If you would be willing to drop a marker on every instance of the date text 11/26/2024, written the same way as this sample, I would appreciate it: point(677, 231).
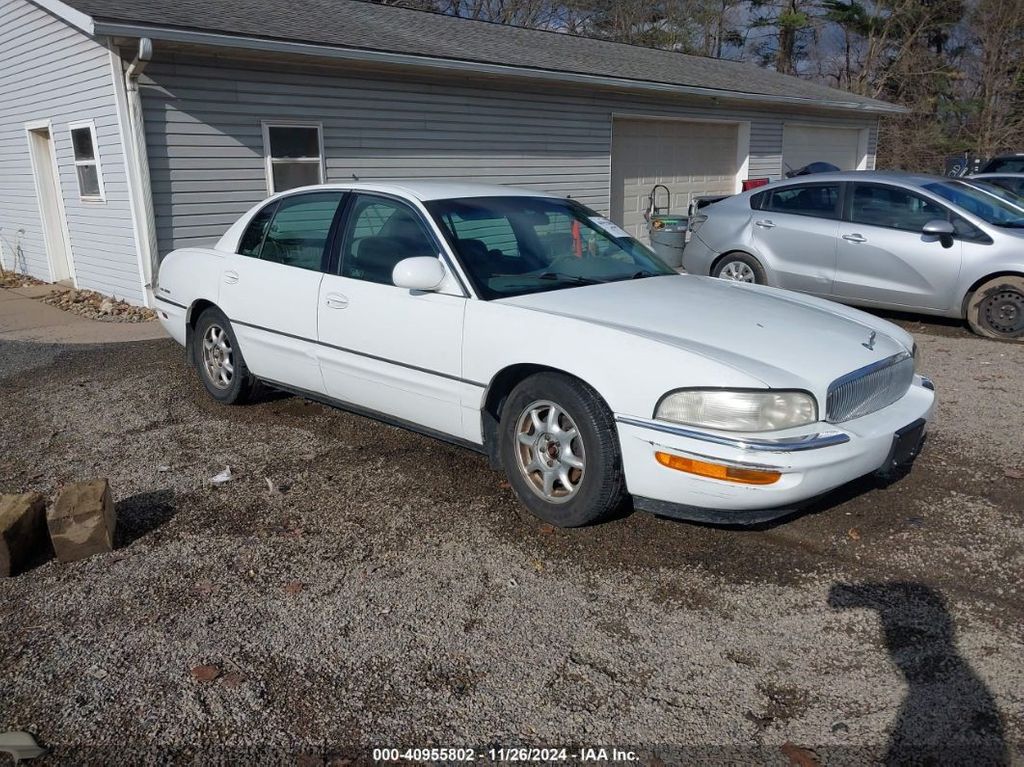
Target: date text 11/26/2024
point(512, 754)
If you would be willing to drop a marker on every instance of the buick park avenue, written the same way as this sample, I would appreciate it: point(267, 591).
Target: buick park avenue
point(537, 332)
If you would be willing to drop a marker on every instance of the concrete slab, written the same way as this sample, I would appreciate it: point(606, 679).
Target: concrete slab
point(23, 317)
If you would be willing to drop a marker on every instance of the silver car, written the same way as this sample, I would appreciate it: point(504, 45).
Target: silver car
point(877, 239)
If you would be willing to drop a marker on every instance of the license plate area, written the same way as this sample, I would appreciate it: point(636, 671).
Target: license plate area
point(906, 445)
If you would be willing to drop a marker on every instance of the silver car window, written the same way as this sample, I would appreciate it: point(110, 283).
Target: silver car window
point(819, 200)
point(893, 208)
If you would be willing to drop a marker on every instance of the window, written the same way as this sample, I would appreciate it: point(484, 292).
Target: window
point(493, 237)
point(987, 206)
point(87, 161)
point(894, 208)
point(558, 244)
point(294, 155)
point(252, 239)
point(297, 233)
point(1015, 185)
point(382, 232)
point(819, 200)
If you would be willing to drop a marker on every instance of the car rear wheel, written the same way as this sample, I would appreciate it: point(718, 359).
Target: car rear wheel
point(218, 358)
point(560, 450)
point(739, 267)
point(996, 310)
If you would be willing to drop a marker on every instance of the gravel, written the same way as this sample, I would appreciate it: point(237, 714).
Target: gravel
point(390, 591)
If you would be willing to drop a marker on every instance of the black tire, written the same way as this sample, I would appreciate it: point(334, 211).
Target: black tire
point(996, 309)
point(731, 260)
point(598, 487)
point(241, 384)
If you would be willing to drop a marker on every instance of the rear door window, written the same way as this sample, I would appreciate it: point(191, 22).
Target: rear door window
point(818, 200)
point(299, 230)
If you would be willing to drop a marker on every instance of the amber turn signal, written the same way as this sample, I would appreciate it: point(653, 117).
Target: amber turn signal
point(718, 470)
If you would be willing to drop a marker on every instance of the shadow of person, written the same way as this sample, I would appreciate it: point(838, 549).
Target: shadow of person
point(948, 716)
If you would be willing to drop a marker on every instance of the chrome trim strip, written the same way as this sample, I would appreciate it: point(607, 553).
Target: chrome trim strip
point(783, 445)
point(867, 369)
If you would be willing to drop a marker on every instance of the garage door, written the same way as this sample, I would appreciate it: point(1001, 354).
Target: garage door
point(804, 144)
point(690, 158)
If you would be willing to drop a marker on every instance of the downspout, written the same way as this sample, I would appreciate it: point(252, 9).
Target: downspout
point(140, 154)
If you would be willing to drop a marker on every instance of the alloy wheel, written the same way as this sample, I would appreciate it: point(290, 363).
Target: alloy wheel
point(738, 272)
point(550, 451)
point(218, 359)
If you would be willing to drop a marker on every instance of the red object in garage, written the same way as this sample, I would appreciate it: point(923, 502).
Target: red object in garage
point(753, 183)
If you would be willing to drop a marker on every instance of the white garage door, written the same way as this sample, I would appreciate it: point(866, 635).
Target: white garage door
point(804, 144)
point(691, 159)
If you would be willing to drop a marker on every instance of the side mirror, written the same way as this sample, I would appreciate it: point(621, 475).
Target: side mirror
point(944, 230)
point(420, 273)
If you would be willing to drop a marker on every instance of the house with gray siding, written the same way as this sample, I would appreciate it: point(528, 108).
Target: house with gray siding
point(128, 129)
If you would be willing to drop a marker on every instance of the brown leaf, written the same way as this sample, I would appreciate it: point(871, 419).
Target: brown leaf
point(538, 565)
point(546, 529)
point(854, 534)
point(294, 587)
point(504, 485)
point(1014, 473)
point(800, 757)
point(205, 673)
point(232, 680)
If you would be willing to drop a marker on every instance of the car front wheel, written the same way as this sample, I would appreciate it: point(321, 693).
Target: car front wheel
point(996, 310)
point(560, 450)
point(218, 358)
point(740, 267)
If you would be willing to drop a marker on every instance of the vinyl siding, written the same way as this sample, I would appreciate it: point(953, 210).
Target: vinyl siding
point(203, 128)
point(51, 71)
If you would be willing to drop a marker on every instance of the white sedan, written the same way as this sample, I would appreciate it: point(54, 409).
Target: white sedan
point(529, 328)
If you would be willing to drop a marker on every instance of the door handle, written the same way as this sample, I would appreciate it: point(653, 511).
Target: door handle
point(231, 277)
point(765, 224)
point(336, 300)
point(855, 238)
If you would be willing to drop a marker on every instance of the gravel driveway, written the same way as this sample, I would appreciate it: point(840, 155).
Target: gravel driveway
point(389, 591)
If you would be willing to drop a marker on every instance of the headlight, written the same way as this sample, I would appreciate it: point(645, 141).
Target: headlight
point(738, 410)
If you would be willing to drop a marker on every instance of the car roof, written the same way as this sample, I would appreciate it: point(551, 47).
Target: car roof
point(996, 174)
point(425, 190)
point(895, 176)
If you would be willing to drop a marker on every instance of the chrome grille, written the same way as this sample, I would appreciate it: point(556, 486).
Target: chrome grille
point(869, 389)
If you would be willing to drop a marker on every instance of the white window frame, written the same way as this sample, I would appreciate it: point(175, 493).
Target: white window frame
point(91, 125)
point(269, 160)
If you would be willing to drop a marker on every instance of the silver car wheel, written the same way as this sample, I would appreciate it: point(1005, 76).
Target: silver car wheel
point(550, 451)
point(218, 360)
point(737, 271)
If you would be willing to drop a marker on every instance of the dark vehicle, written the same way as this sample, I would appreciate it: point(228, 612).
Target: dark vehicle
point(813, 167)
point(1005, 163)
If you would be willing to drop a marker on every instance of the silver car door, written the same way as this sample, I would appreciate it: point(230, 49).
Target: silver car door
point(884, 258)
point(795, 229)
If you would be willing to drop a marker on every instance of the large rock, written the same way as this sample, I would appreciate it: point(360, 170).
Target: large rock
point(82, 520)
point(22, 528)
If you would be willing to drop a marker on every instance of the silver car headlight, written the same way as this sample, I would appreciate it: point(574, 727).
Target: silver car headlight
point(738, 410)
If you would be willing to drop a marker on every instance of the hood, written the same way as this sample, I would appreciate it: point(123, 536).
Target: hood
point(783, 339)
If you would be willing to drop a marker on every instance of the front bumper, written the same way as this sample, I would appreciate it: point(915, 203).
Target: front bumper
point(810, 463)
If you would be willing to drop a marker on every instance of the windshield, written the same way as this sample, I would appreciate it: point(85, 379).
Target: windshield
point(511, 246)
point(1005, 165)
point(986, 205)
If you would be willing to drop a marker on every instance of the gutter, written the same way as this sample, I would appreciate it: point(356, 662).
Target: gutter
point(271, 45)
point(134, 141)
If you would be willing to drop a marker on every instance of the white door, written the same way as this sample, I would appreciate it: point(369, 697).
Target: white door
point(692, 159)
point(270, 288)
point(51, 210)
point(384, 349)
point(804, 144)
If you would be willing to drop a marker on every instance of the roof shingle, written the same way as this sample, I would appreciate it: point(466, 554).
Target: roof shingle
point(354, 24)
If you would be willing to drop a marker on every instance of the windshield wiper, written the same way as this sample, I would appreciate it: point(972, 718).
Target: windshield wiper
point(641, 274)
point(563, 276)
